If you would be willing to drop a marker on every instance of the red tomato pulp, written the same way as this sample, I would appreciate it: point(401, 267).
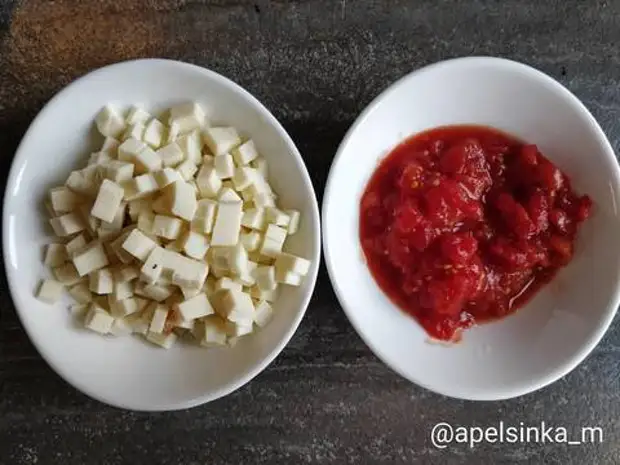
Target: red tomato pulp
point(462, 224)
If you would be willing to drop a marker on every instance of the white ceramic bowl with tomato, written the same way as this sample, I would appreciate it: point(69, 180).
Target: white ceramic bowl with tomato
point(557, 328)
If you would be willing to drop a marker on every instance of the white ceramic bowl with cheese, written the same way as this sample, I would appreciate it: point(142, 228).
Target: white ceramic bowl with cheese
point(556, 330)
point(127, 372)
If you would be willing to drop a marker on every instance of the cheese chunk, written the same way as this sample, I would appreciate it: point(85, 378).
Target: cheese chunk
point(161, 205)
point(108, 201)
point(182, 200)
point(188, 272)
point(121, 327)
point(227, 283)
point(99, 158)
point(66, 274)
point(259, 294)
point(141, 186)
point(263, 313)
point(277, 217)
point(186, 170)
point(98, 320)
point(109, 122)
point(81, 293)
point(163, 340)
point(119, 171)
point(191, 146)
point(208, 181)
point(129, 150)
point(245, 153)
point(289, 262)
point(63, 200)
point(90, 258)
point(137, 115)
point(110, 145)
point(293, 225)
point(138, 244)
point(227, 194)
point(273, 241)
point(221, 140)
point(227, 224)
point(158, 322)
point(214, 332)
point(205, 216)
point(234, 330)
point(126, 307)
point(147, 161)
point(288, 277)
point(67, 224)
point(250, 240)
point(77, 182)
point(243, 178)
point(171, 154)
point(154, 266)
point(154, 133)
point(187, 117)
point(260, 164)
point(167, 176)
point(126, 274)
point(196, 307)
point(265, 277)
point(154, 292)
point(101, 282)
point(50, 291)
point(224, 166)
point(55, 255)
point(254, 218)
point(123, 290)
point(195, 245)
point(134, 131)
point(235, 306)
point(173, 133)
point(167, 227)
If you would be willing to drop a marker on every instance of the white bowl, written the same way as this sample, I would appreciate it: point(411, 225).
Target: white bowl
point(552, 334)
point(127, 372)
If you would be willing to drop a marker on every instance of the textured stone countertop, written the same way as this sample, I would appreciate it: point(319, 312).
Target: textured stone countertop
point(315, 63)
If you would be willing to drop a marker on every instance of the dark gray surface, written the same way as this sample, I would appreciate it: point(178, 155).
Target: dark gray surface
point(315, 64)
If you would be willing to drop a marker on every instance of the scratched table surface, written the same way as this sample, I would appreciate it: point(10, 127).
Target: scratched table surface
point(315, 63)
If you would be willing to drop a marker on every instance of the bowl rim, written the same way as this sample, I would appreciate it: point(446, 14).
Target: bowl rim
point(551, 375)
point(20, 157)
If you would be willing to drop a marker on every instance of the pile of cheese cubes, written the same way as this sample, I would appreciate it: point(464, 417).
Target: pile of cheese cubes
point(172, 229)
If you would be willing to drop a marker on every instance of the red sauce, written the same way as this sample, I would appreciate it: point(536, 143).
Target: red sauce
point(463, 224)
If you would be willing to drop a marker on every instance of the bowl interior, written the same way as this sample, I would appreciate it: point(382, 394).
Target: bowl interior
point(555, 331)
point(127, 372)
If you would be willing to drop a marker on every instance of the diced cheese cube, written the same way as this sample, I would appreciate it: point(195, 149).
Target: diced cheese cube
point(263, 313)
point(187, 169)
point(55, 255)
point(227, 224)
point(75, 244)
point(288, 277)
point(244, 177)
point(177, 321)
point(260, 164)
point(208, 161)
point(116, 247)
point(147, 161)
point(182, 200)
point(108, 201)
point(221, 140)
point(161, 205)
point(293, 224)
point(208, 181)
point(250, 240)
point(126, 274)
point(101, 282)
point(235, 306)
point(154, 292)
point(256, 256)
point(64, 200)
point(121, 327)
point(196, 307)
point(173, 133)
point(109, 122)
point(50, 291)
point(265, 277)
point(91, 223)
point(231, 258)
point(139, 245)
point(273, 241)
point(78, 183)
point(263, 200)
point(260, 294)
point(102, 301)
point(66, 274)
point(277, 217)
point(167, 227)
point(224, 166)
point(79, 311)
point(158, 322)
point(99, 158)
point(235, 330)
point(293, 263)
point(137, 206)
point(228, 195)
point(129, 150)
point(191, 145)
point(247, 277)
point(167, 176)
point(119, 171)
point(227, 283)
point(189, 292)
point(189, 273)
point(90, 258)
point(254, 218)
point(67, 224)
point(137, 115)
point(126, 307)
point(154, 133)
point(110, 145)
point(141, 186)
point(214, 331)
point(134, 131)
point(163, 340)
point(187, 117)
point(119, 218)
point(205, 216)
point(145, 222)
point(139, 324)
point(195, 245)
point(123, 290)
point(98, 320)
point(81, 293)
point(171, 155)
point(245, 153)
